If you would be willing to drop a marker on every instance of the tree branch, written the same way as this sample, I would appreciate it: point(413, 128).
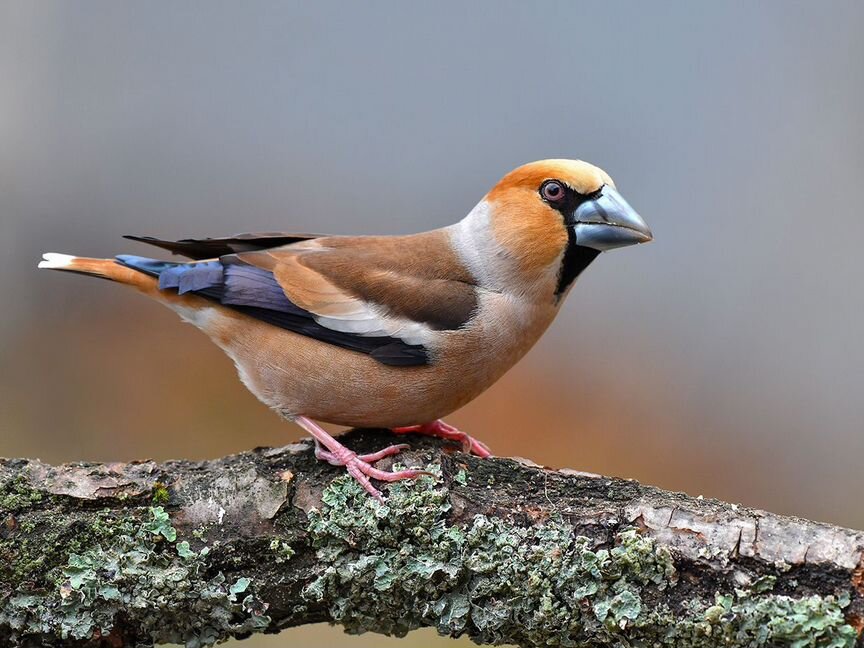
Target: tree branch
point(505, 552)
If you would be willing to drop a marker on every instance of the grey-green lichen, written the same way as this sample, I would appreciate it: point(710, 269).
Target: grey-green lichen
point(139, 571)
point(23, 556)
point(392, 568)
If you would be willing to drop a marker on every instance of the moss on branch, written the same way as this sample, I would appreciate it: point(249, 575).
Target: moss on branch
point(140, 554)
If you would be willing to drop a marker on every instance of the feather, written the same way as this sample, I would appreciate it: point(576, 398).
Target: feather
point(210, 248)
point(256, 293)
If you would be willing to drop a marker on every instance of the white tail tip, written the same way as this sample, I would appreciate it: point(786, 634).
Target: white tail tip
point(56, 260)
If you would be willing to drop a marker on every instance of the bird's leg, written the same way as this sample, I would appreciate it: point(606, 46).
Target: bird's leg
point(359, 467)
point(444, 430)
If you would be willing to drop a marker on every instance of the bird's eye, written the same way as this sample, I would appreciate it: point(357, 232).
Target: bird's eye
point(552, 190)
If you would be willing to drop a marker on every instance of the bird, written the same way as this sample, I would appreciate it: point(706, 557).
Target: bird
point(393, 331)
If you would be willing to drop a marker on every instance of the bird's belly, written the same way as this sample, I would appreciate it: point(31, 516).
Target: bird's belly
point(343, 387)
point(297, 375)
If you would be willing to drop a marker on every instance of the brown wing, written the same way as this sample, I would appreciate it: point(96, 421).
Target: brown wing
point(374, 295)
point(363, 279)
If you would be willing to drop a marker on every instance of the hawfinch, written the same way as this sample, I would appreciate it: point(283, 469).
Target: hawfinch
point(389, 331)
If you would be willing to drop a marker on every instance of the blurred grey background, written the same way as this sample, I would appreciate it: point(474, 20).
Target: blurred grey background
point(726, 358)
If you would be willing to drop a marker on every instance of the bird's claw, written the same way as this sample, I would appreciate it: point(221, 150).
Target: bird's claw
point(360, 466)
point(446, 431)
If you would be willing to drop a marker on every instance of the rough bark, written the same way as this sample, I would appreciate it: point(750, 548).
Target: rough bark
point(502, 550)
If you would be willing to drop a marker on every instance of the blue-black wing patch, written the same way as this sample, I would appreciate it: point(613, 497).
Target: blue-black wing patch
point(255, 292)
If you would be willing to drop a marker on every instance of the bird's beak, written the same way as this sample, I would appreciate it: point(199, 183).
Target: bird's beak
point(607, 222)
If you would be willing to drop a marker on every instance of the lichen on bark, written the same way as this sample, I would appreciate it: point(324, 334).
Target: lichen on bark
point(134, 568)
point(102, 555)
point(396, 567)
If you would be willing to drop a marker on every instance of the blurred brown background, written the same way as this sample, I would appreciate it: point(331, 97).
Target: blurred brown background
point(726, 358)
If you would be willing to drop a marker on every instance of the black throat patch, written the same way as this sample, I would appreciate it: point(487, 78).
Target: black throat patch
point(576, 258)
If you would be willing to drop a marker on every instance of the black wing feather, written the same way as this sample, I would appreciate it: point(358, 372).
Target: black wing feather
point(210, 248)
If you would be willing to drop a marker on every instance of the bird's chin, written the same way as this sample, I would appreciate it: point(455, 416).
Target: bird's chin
point(606, 236)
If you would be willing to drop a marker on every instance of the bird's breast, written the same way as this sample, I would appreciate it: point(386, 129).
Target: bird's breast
point(503, 330)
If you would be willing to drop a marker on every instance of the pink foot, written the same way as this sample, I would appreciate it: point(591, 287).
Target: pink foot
point(329, 457)
point(443, 430)
point(358, 466)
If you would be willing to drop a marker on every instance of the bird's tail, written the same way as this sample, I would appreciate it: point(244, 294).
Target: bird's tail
point(105, 268)
point(141, 273)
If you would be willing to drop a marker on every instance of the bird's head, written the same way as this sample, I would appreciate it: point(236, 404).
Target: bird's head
point(552, 218)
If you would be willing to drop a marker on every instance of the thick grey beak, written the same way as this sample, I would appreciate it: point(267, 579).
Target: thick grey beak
point(608, 222)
